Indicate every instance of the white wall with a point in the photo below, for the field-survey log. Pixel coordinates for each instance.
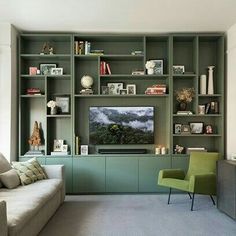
(8, 91)
(231, 92)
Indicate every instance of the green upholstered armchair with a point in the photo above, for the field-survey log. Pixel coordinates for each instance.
(200, 178)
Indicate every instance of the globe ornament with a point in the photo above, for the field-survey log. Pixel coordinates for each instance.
(86, 82)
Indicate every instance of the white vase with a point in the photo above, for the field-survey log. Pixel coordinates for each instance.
(53, 111)
(210, 89)
(150, 71)
(203, 81)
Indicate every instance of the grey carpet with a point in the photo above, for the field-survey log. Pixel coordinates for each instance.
(138, 215)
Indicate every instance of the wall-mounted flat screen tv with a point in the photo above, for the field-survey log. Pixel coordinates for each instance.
(121, 125)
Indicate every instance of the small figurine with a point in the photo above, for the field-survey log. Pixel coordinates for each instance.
(44, 49)
(50, 50)
(35, 139)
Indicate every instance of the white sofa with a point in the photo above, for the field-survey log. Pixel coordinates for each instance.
(24, 210)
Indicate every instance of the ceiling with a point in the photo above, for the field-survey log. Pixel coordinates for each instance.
(119, 15)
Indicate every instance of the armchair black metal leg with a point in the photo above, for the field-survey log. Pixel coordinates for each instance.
(190, 196)
(212, 200)
(192, 202)
(169, 196)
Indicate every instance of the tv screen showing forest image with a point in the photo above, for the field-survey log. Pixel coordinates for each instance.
(121, 125)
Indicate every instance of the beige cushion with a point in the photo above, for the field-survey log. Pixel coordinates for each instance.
(10, 179)
(4, 164)
(29, 171)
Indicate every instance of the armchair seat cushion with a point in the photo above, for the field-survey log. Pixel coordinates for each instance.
(175, 183)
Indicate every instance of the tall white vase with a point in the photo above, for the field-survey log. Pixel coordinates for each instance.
(203, 82)
(210, 89)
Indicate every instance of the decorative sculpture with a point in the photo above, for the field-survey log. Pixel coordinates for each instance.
(210, 80)
(35, 139)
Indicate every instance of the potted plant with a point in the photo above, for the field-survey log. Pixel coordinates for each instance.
(150, 67)
(53, 105)
(184, 96)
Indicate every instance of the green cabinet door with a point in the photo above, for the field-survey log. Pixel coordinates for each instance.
(67, 162)
(121, 174)
(89, 174)
(149, 168)
(41, 160)
(180, 162)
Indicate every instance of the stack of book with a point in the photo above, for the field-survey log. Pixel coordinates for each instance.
(33, 91)
(159, 89)
(59, 153)
(195, 149)
(34, 153)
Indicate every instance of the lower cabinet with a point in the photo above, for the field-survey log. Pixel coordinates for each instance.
(67, 162)
(121, 174)
(89, 174)
(148, 173)
(180, 162)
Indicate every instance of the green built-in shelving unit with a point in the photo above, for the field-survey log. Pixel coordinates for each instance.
(98, 173)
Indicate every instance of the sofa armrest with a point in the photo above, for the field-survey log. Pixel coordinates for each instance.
(56, 172)
(203, 183)
(3, 218)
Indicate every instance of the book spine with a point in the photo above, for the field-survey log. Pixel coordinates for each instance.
(108, 68)
(76, 47)
(102, 68)
(76, 145)
(87, 47)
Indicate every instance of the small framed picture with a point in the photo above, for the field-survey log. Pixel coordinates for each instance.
(201, 109)
(123, 91)
(178, 70)
(46, 68)
(158, 68)
(114, 88)
(185, 129)
(131, 89)
(84, 149)
(208, 129)
(64, 148)
(57, 71)
(57, 145)
(105, 90)
(196, 127)
(63, 103)
(178, 128)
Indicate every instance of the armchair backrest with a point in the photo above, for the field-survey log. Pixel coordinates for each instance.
(202, 163)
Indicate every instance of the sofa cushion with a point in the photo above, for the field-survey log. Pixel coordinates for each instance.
(29, 171)
(4, 165)
(24, 202)
(10, 179)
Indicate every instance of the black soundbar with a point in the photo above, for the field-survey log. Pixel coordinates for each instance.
(122, 151)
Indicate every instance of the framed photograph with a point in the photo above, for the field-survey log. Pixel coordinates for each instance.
(185, 129)
(64, 148)
(84, 149)
(178, 70)
(63, 103)
(158, 69)
(208, 129)
(105, 90)
(57, 145)
(123, 91)
(114, 88)
(131, 89)
(177, 128)
(57, 71)
(201, 109)
(196, 127)
(46, 68)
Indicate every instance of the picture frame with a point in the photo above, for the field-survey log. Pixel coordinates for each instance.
(64, 148)
(57, 145)
(178, 69)
(46, 68)
(196, 127)
(209, 129)
(63, 103)
(159, 66)
(185, 129)
(131, 89)
(123, 91)
(114, 88)
(177, 128)
(201, 109)
(105, 90)
(84, 149)
(56, 71)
